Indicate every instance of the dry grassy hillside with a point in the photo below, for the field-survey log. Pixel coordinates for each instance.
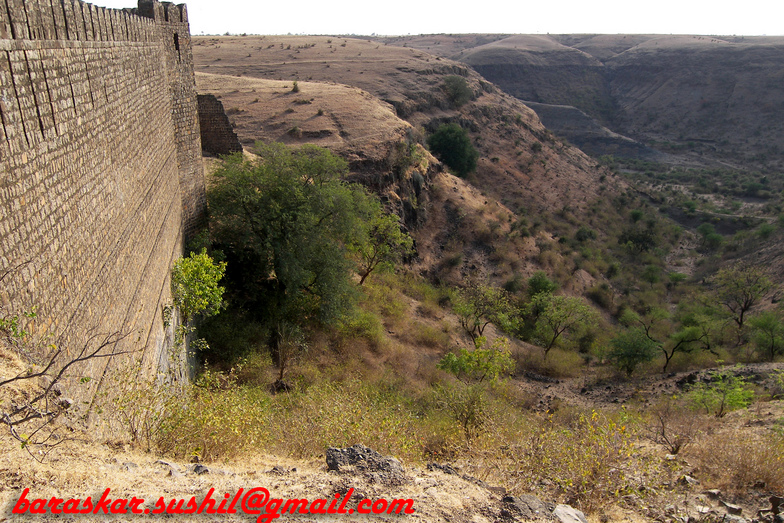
(641, 445)
(412, 81)
(522, 166)
(705, 98)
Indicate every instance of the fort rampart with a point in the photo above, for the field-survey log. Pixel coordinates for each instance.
(101, 180)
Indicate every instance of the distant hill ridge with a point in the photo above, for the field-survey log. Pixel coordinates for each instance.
(710, 97)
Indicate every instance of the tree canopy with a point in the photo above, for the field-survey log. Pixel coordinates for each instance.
(291, 229)
(739, 287)
(194, 284)
(452, 145)
(558, 316)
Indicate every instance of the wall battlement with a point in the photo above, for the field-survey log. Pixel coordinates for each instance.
(100, 168)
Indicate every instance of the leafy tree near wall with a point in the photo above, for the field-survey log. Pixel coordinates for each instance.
(294, 233)
(194, 283)
(286, 223)
(452, 145)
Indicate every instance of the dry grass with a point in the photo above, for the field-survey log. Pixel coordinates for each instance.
(735, 460)
(558, 364)
(586, 457)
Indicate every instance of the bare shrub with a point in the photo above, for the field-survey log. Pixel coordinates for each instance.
(585, 458)
(41, 418)
(672, 425)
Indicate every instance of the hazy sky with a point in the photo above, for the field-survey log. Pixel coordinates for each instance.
(400, 17)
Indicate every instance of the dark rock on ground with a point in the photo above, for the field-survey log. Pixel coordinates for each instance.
(446, 469)
(173, 470)
(374, 466)
(198, 469)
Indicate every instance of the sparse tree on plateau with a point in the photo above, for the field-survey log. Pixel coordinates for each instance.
(457, 90)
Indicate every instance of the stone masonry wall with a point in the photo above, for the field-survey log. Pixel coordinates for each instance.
(217, 134)
(100, 173)
(171, 21)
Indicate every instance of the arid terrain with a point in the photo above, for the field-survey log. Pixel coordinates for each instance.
(703, 100)
(374, 102)
(521, 165)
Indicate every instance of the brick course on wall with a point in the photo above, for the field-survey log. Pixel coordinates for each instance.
(100, 169)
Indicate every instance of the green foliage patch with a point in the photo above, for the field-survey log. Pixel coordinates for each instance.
(451, 144)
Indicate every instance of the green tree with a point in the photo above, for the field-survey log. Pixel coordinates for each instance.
(194, 285)
(668, 335)
(480, 363)
(560, 316)
(631, 349)
(539, 282)
(288, 344)
(705, 229)
(724, 392)
(286, 223)
(584, 234)
(638, 239)
(768, 333)
(475, 368)
(738, 288)
(651, 274)
(477, 306)
(452, 145)
(713, 241)
(384, 244)
(457, 90)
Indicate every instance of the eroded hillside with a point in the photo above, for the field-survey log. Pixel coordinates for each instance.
(522, 166)
(706, 98)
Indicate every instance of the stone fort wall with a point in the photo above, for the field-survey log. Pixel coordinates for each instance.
(101, 180)
(217, 134)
